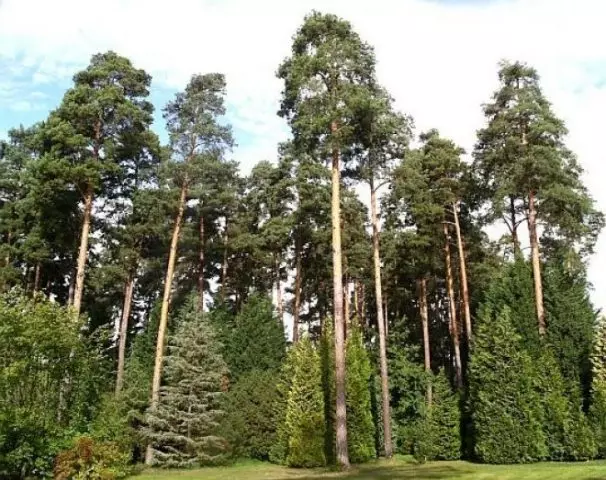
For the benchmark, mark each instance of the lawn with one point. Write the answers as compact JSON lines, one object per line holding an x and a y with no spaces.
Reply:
{"x":399,"y":468}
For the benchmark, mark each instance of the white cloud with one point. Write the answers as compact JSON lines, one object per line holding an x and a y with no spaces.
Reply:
{"x":438,"y":60}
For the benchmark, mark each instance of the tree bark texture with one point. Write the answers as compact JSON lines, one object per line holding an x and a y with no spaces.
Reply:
{"x":454,"y":327}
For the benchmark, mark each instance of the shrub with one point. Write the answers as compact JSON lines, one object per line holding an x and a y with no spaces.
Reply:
{"x":360,"y":426}
{"x":91,"y":460}
{"x":438,"y":434}
{"x":251,"y":416}
{"x":304,"y":420}
{"x":507,"y":421}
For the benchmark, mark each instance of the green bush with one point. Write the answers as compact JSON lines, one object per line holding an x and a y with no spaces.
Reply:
{"x":304,"y":424}
{"x":91,"y":460}
{"x":250,"y":415}
{"x":256,"y":341}
{"x":505,"y":406}
{"x":597,"y":410}
{"x":360,"y":425}
{"x":50,"y":382}
{"x":438,"y":434}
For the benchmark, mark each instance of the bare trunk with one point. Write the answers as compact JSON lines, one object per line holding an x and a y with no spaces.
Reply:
{"x":536,"y":263}
{"x":279,"y":301}
{"x":514,"y":226}
{"x":201,"y":263}
{"x":224,"y":265}
{"x":70,"y":289}
{"x":454,"y":327}
{"x":463,"y":268}
{"x":341,"y":411}
{"x":83,"y":251}
{"x":346,"y":307}
{"x":7,"y":259}
{"x":37,"y":277}
{"x":170,"y":270}
{"x":128,"y":298}
{"x":297,"y":309}
{"x":425,"y":325}
{"x":387,"y":441}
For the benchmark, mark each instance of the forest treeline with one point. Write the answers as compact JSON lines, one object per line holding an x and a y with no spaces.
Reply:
{"x":146,"y":288}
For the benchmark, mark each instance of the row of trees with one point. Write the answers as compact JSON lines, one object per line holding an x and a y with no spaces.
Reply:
{"x":98,"y":216}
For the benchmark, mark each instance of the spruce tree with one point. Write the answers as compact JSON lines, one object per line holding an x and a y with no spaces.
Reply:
{"x":506,"y":409}
{"x":183,"y":429}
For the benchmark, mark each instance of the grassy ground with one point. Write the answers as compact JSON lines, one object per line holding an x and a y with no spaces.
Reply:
{"x":397,"y":469}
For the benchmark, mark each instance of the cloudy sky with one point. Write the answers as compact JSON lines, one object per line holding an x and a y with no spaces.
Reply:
{"x":438,"y":58}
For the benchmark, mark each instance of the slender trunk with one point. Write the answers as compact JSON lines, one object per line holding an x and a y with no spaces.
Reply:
{"x":463,"y":268}
{"x":355,"y":301}
{"x":70,"y":289}
{"x":224,"y":265}
{"x":7,"y":259}
{"x":298,"y":281}
{"x":170,"y":270}
{"x":346,"y":305}
{"x":341,"y":411}
{"x":425,"y":324}
{"x":536,"y":263}
{"x":514,"y":226}
{"x":387,"y":441}
{"x":128,"y":298}
{"x":279,"y":301}
{"x":201,"y":263}
{"x":37,"y":277}
{"x":454,"y":328}
{"x":83,"y":251}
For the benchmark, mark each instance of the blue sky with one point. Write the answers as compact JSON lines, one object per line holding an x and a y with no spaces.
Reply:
{"x":438,"y":58}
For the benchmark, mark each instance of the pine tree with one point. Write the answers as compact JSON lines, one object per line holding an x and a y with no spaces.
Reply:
{"x":183,"y":427}
{"x":360,"y":426}
{"x":105,"y":109}
{"x":329,"y":71}
{"x":506,"y":409}
{"x":529,"y":173}
{"x":194,"y":130}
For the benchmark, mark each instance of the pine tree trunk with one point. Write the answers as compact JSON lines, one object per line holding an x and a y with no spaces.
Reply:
{"x":454,"y":328}
{"x":279,"y":301}
{"x":298,"y":281}
{"x":536,"y":262}
{"x":83,"y":251}
{"x":514,"y":226}
{"x":37,"y":277}
{"x":170,"y":270}
{"x":425,"y":325}
{"x":224,"y":265}
{"x":201,"y":263}
{"x":70,"y":289}
{"x":341,"y":410}
{"x":463,"y":273}
{"x":387,"y":440}
{"x":346,"y":303}
{"x":128,"y":298}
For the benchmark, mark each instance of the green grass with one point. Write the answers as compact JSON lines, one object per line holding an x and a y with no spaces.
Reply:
{"x":399,"y":468}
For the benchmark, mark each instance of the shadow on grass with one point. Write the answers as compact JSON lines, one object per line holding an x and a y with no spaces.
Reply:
{"x":387,"y":471}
